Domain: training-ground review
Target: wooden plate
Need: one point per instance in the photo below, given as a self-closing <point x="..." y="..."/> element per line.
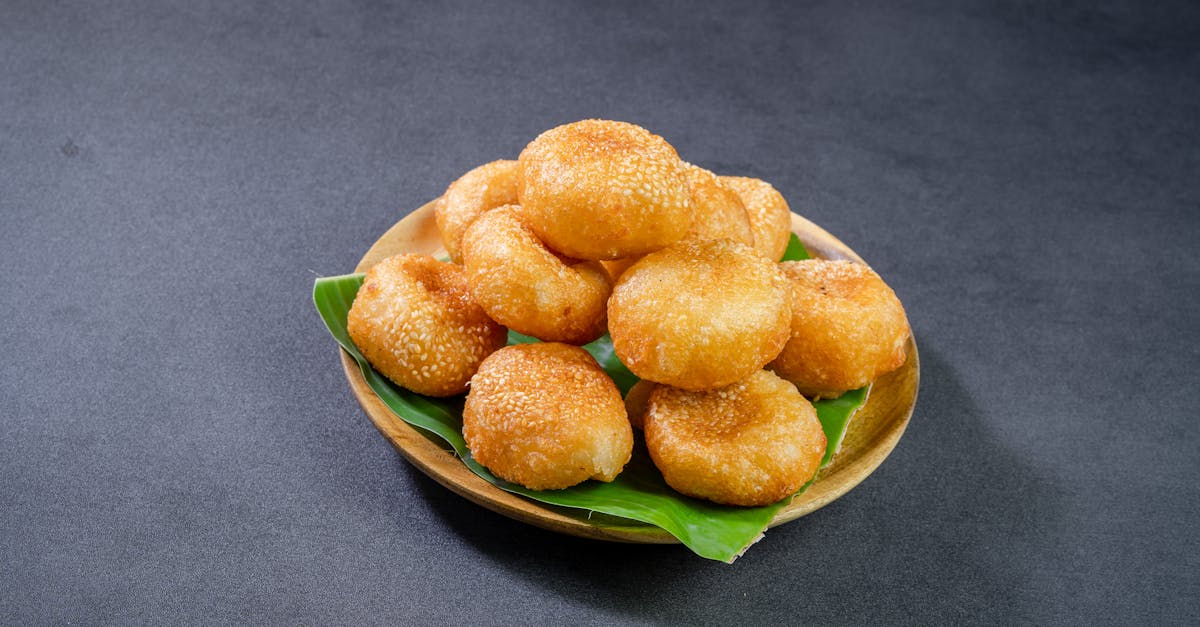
<point x="872" y="434"/>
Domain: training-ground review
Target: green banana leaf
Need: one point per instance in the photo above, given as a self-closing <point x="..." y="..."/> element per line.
<point x="638" y="494"/>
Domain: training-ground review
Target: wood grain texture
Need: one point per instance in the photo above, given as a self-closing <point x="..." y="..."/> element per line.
<point x="873" y="432"/>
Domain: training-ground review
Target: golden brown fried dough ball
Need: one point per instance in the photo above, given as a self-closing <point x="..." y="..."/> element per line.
<point x="599" y="189"/>
<point x="526" y="287"/>
<point x="770" y="217"/>
<point x="637" y="401"/>
<point x="717" y="213"/>
<point x="716" y="210"/>
<point x="617" y="267"/>
<point x="486" y="187"/>
<point x="699" y="315"/>
<point x="546" y="416"/>
<point x="750" y="443"/>
<point x="415" y="322"/>
<point x="848" y="328"/>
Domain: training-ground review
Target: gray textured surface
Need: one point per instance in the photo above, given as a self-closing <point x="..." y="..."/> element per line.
<point x="178" y="443"/>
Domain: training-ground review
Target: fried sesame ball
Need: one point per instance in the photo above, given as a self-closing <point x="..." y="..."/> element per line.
<point x="847" y="328"/>
<point x="699" y="315"/>
<point x="750" y="443"/>
<point x="546" y="416"/>
<point x="484" y="188"/>
<point x="598" y="189"/>
<point x="717" y="213"/>
<point x="617" y="267"/>
<point x="770" y="217"/>
<point x="416" y="323"/>
<point x="526" y="287"/>
<point x="637" y="401"/>
<point x="716" y="210"/>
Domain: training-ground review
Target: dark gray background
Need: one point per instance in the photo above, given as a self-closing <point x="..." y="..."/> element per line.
<point x="178" y="442"/>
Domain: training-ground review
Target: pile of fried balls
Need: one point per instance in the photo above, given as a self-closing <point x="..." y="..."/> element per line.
<point x="598" y="227"/>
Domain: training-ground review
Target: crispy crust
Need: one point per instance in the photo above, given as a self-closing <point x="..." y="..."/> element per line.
<point x="637" y="401"/>
<point x="482" y="189"/>
<point x="770" y="216"/>
<point x="416" y="323"/>
<point x="847" y="329"/>
<point x="699" y="315"/>
<point x="598" y="189"/>
<point x="717" y="211"/>
<point x="546" y="416"/>
<point x="750" y="443"/>
<point x="526" y="287"/>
